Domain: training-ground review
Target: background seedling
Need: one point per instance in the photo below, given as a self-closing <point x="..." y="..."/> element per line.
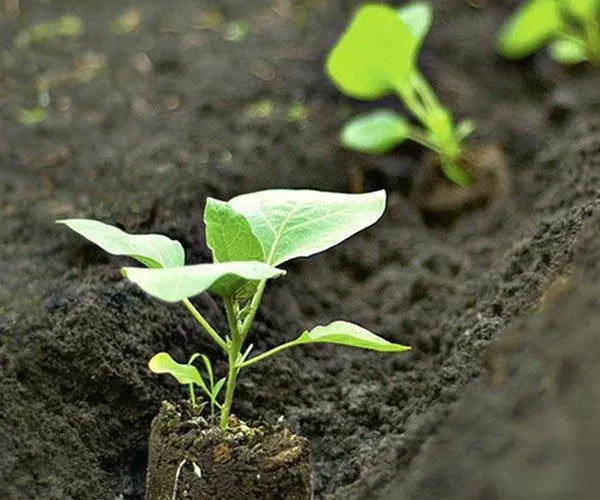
<point x="377" y="56"/>
<point x="571" y="27"/>
<point x="249" y="236"/>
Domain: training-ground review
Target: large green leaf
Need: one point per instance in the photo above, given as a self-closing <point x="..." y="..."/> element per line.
<point x="417" y="17"/>
<point x="375" y="54"/>
<point x="529" y="28"/>
<point x="178" y="283"/>
<point x="184" y="373"/>
<point x="299" y="223"/>
<point x="376" y="132"/>
<point x="152" y="250"/>
<point x="348" y="334"/>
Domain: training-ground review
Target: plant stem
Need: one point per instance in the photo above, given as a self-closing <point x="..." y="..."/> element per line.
<point x="267" y="354"/>
<point x="233" y="352"/>
<point x="205" y="324"/>
<point x="192" y="396"/>
<point x="248" y="320"/>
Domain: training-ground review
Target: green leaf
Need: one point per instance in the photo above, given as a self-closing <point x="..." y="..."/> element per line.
<point x="583" y="10"/>
<point x="230" y="238"/>
<point x="348" y="334"/>
<point x="31" y="116"/>
<point x="217" y="388"/>
<point x="184" y="373"/>
<point x="152" y="250"/>
<point x="375" y="54"/>
<point x="529" y="28"/>
<point x="417" y="17"/>
<point x="376" y="132"/>
<point x="299" y="223"/>
<point x="229" y="235"/>
<point x="465" y="128"/>
<point x="177" y="283"/>
<point x="567" y="52"/>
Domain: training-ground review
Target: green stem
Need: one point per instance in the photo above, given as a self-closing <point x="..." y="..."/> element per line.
<point x="425" y="92"/>
<point x="416" y="135"/>
<point x="249" y="319"/>
<point x="232" y="355"/>
<point x="204" y="324"/>
<point x="192" y="396"/>
<point x="267" y="354"/>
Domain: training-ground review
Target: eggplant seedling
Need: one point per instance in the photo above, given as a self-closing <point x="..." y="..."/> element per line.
<point x="377" y="56"/>
<point x="571" y="27"/>
<point x="249" y="236"/>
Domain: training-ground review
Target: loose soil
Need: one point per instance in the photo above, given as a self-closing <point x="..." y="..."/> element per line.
<point x="497" y="399"/>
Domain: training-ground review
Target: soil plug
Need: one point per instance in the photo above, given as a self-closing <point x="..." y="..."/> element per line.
<point x="571" y="28"/>
<point x="249" y="236"/>
<point x="377" y="56"/>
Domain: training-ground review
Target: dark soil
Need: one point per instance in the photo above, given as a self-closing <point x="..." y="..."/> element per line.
<point x="191" y="458"/>
<point x="497" y="399"/>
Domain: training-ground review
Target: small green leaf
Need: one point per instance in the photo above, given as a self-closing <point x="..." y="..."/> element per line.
<point x="217" y="388"/>
<point x="375" y="54"/>
<point x="376" y="132"/>
<point x="298" y="223"/>
<point x="177" y="283"/>
<point x="528" y="28"/>
<point x="152" y="250"/>
<point x="209" y="370"/>
<point x="348" y="334"/>
<point x="417" y="17"/>
<point x="184" y="373"/>
<point x="568" y="52"/>
<point x="465" y="128"/>
<point x="230" y="237"/>
<point x="31" y="116"/>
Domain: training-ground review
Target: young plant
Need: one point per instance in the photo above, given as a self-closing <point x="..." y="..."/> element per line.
<point x="377" y="56"/>
<point x="571" y="27"/>
<point x="249" y="236"/>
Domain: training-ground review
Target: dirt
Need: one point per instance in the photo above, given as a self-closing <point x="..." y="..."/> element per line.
<point x="498" y="397"/>
<point x="189" y="457"/>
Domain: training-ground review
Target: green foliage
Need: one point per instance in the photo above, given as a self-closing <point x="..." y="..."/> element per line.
<point x="248" y="236"/>
<point x="348" y="334"/>
<point x="31" y="117"/>
<point x="571" y="27"/>
<point x="152" y="250"/>
<point x="376" y="132"/>
<point x="174" y="284"/>
<point x="377" y="56"/>
<point x="299" y="223"/>
<point x="368" y="67"/>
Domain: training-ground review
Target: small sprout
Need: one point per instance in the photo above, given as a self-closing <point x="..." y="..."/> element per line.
<point x="64" y="27"/>
<point x="570" y="27"/>
<point x="377" y="56"/>
<point x="249" y="236"/>
<point x="236" y="31"/>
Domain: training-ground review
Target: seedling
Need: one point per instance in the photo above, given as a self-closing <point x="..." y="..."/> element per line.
<point x="377" y="56"/>
<point x="571" y="27"/>
<point x="249" y="236"/>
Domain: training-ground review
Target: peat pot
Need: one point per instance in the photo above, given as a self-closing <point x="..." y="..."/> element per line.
<point x="189" y="458"/>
